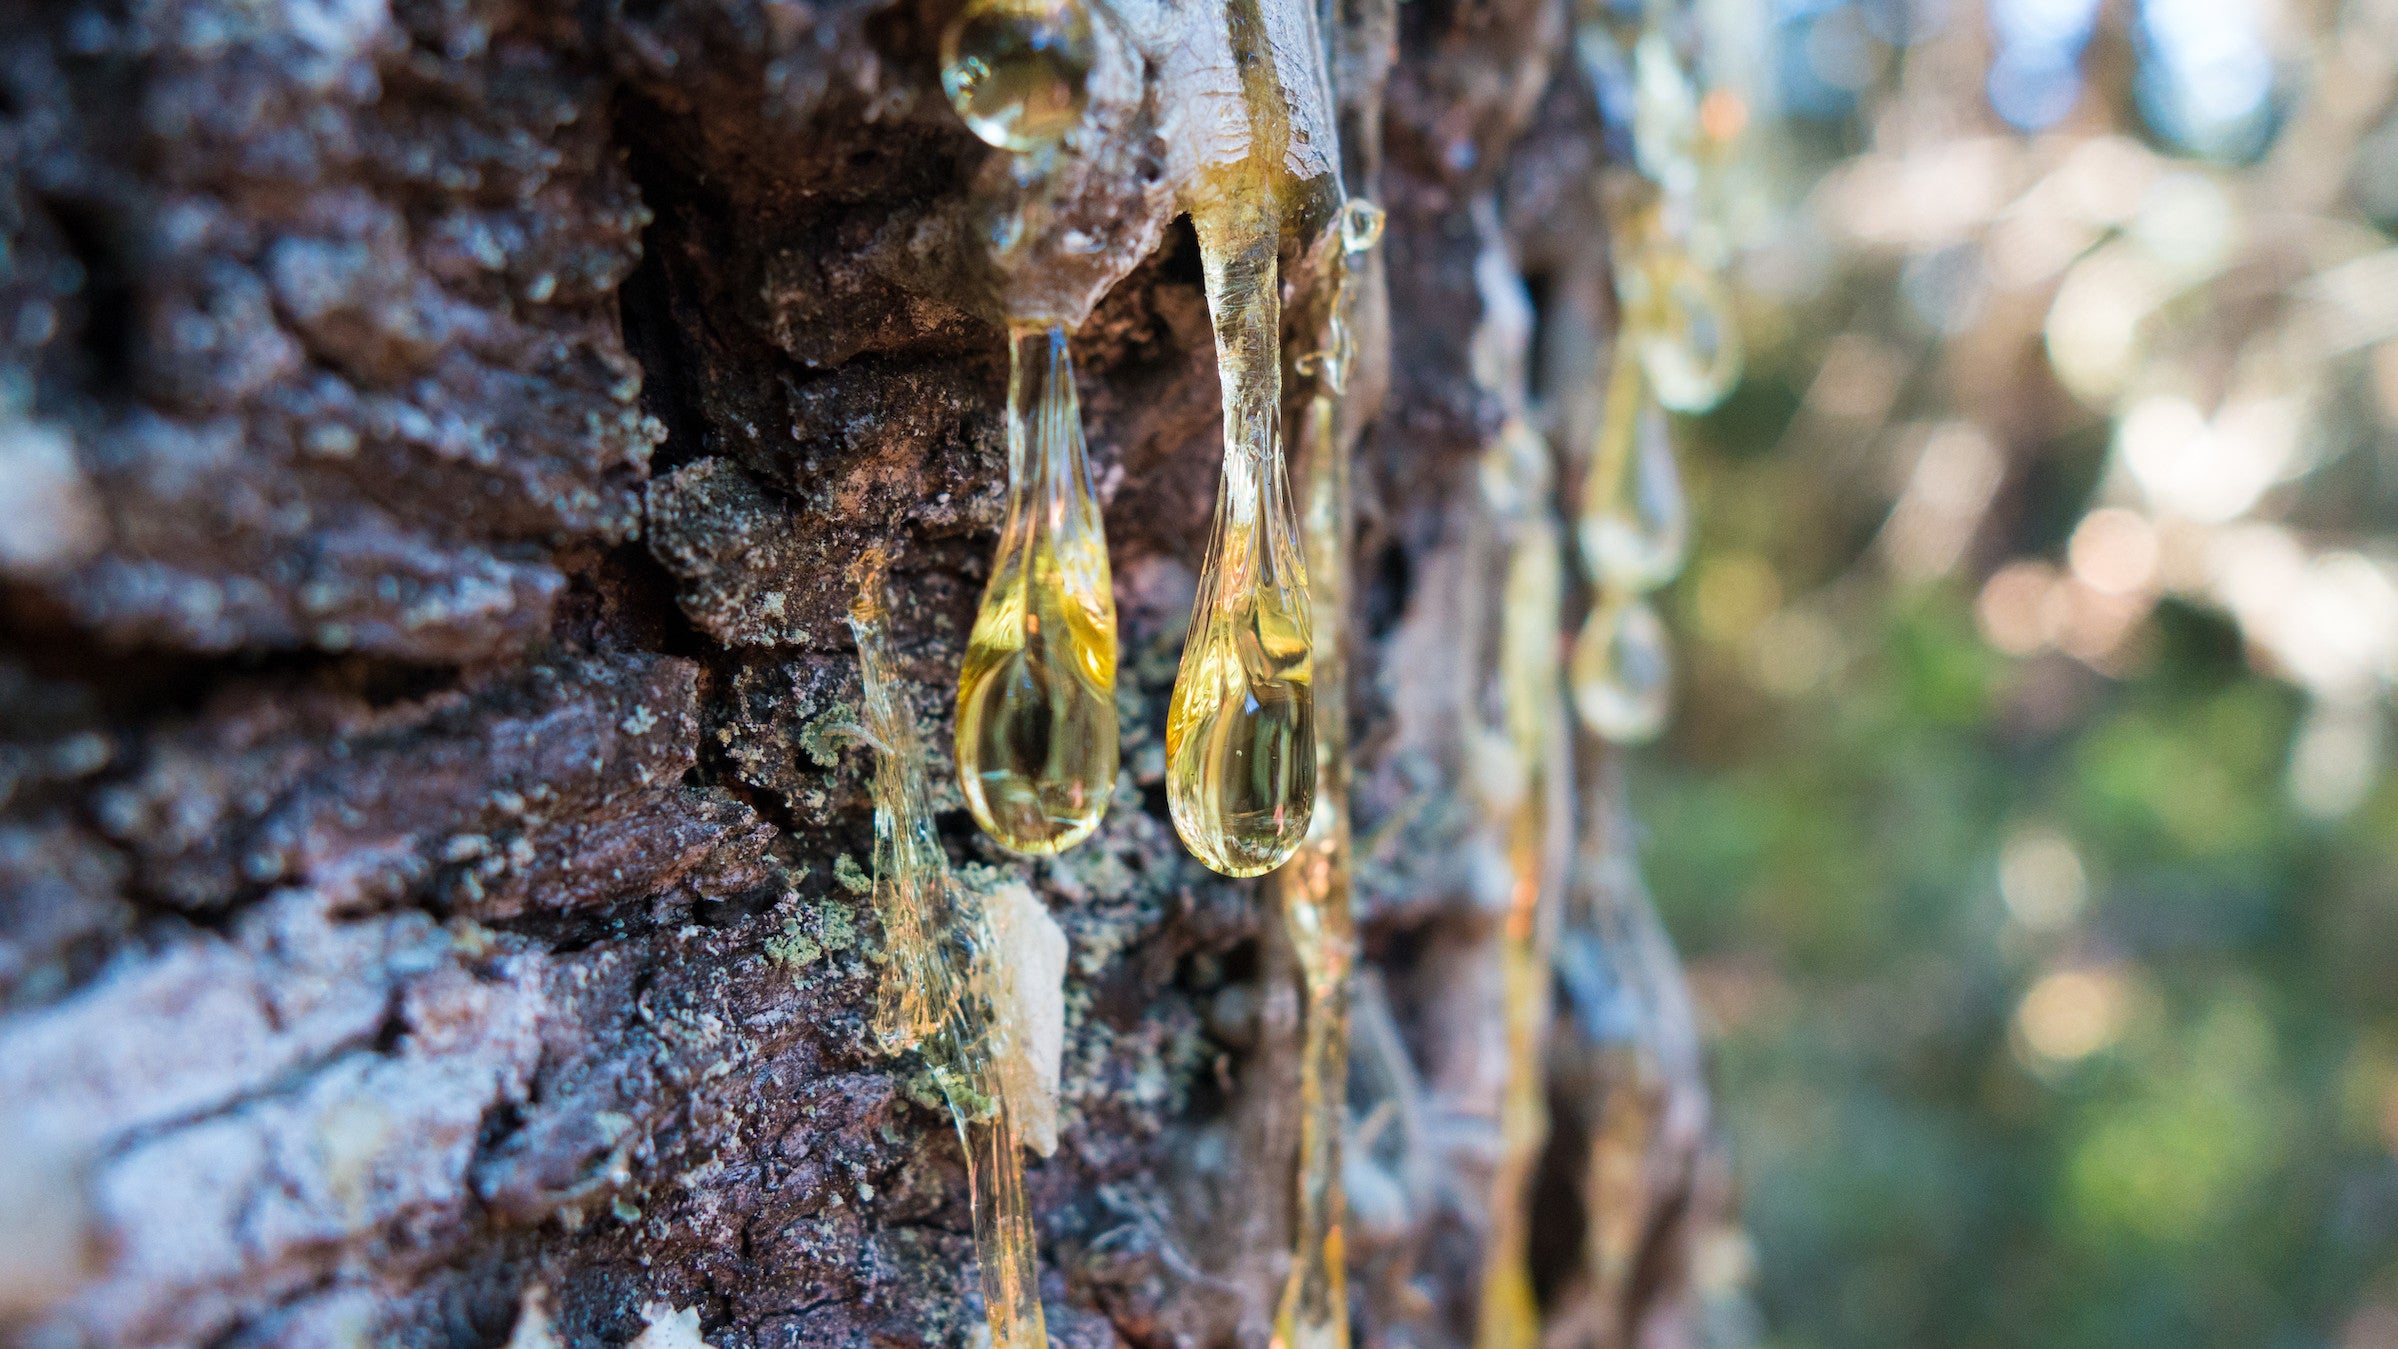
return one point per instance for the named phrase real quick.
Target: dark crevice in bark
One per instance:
(96, 239)
(1558, 1219)
(657, 329)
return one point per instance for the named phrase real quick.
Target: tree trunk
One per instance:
(434, 439)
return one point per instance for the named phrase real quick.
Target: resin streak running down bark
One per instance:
(1510, 1319)
(936, 987)
(1314, 890)
(1522, 803)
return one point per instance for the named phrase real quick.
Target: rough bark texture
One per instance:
(433, 437)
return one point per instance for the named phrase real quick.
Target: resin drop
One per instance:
(1240, 733)
(1635, 523)
(1240, 736)
(1622, 671)
(1018, 71)
(1678, 317)
(1361, 225)
(1036, 721)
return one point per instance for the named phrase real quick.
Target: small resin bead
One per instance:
(1019, 73)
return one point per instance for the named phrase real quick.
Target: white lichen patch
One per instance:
(533, 1329)
(49, 515)
(669, 1328)
(1028, 997)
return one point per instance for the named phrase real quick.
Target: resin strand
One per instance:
(935, 990)
(1530, 700)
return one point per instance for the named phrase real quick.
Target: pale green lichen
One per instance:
(837, 927)
(828, 732)
(852, 877)
(794, 949)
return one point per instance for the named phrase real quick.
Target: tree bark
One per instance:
(434, 437)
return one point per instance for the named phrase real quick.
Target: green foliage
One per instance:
(2211, 1167)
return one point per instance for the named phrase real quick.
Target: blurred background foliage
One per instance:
(2025, 820)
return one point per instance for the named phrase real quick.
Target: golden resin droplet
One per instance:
(1678, 318)
(1240, 734)
(1635, 522)
(1036, 722)
(1622, 671)
(1019, 71)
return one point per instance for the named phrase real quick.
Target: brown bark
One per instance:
(432, 442)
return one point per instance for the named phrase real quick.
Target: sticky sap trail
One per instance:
(1531, 701)
(935, 991)
(1240, 732)
(913, 893)
(1314, 889)
(1634, 530)
(1314, 886)
(1005, 1245)
(1036, 723)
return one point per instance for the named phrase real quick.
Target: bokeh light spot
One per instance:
(2114, 551)
(2041, 878)
(2070, 1014)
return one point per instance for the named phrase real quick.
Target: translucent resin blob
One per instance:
(1634, 528)
(1018, 71)
(1622, 671)
(1678, 318)
(1036, 722)
(1240, 733)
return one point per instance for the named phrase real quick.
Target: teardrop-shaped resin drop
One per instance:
(1622, 671)
(1635, 523)
(1678, 317)
(1240, 733)
(1036, 724)
(1018, 71)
